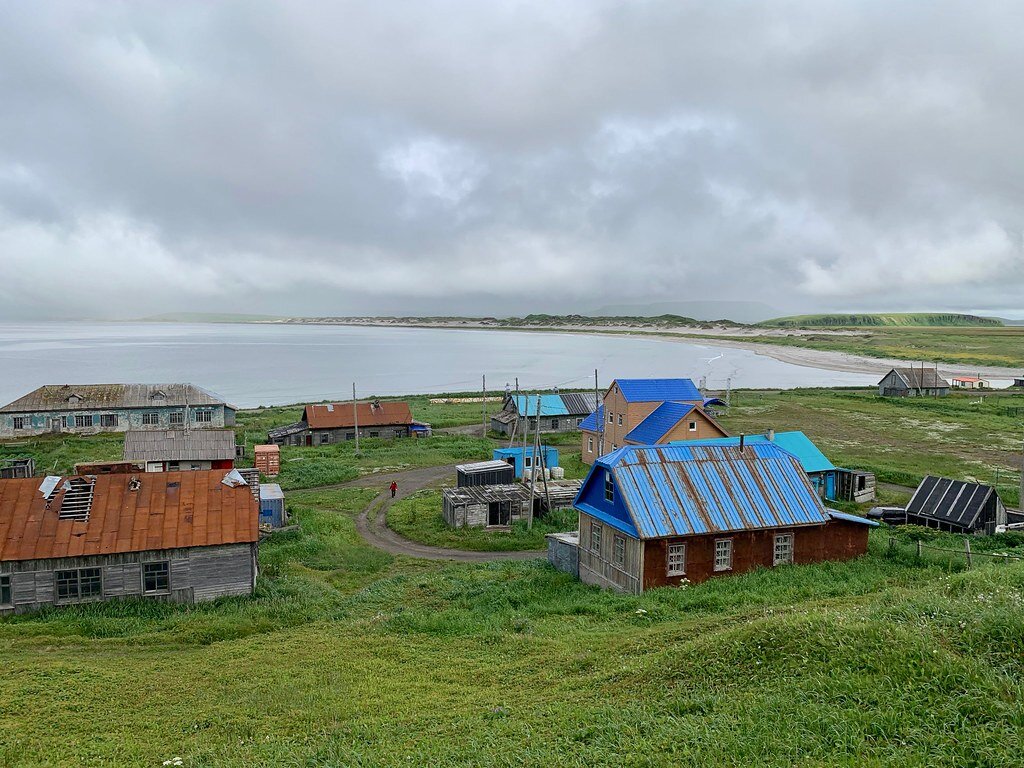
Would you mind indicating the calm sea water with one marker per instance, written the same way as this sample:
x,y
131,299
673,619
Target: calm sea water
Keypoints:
x,y
254,365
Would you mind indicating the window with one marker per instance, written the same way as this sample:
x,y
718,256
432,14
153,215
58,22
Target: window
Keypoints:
x,y
156,577
693,426
554,423
528,461
619,550
590,445
615,447
611,417
83,421
176,418
79,584
19,422
578,422
325,438
595,537
350,435
5,591
676,559
375,434
620,419
64,422
723,554
609,487
204,417
108,419
150,418
174,466
783,549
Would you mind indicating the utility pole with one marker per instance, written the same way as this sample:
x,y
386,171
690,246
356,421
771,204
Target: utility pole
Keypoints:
x,y
728,392
483,405
599,416
515,424
533,467
1020,501
355,416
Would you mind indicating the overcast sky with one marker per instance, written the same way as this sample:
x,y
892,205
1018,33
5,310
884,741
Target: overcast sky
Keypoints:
x,y
489,157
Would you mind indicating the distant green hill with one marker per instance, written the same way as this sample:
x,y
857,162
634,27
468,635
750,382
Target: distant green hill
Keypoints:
x,y
880,320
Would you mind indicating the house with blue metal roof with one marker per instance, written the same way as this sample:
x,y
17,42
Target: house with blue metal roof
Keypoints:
x,y
555,412
653,516
647,412
831,483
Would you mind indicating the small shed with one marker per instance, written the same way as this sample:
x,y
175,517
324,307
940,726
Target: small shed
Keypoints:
x,y
11,469
1018,381
520,457
957,506
970,382
486,506
484,473
564,552
272,512
267,459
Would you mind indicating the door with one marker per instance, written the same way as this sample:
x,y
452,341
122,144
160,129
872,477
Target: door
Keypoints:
x,y
499,513
830,486
309,439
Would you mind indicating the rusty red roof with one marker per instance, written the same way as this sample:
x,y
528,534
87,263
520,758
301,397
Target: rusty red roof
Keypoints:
x,y
168,510
340,416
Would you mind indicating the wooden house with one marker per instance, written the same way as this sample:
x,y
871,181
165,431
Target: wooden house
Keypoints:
x,y
176,450
338,422
970,382
646,412
956,506
91,408
178,536
654,516
486,506
913,382
557,412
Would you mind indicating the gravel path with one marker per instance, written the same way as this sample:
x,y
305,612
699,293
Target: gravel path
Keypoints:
x,y
372,521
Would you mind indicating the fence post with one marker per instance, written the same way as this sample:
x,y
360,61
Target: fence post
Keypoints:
x,y
967,550
919,548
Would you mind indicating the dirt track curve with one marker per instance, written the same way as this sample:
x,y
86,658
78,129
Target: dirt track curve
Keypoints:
x,y
372,521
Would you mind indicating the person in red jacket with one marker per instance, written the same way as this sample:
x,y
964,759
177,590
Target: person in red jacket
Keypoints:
x,y
394,488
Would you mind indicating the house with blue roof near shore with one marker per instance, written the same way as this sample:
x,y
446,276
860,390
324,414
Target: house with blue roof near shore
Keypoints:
x,y
653,516
646,412
554,413
830,482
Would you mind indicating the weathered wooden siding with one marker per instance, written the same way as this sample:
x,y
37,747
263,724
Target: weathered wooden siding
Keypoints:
x,y
474,515
43,422
598,567
328,436
196,574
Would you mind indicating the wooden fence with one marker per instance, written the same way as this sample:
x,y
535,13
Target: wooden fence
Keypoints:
x,y
956,554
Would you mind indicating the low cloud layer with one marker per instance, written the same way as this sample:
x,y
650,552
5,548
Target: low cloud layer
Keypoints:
x,y
458,157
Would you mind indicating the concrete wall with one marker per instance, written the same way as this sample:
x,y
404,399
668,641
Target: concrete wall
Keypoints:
x,y
42,422
196,574
563,552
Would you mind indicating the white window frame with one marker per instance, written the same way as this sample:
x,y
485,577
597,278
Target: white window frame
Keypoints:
x,y
595,537
611,417
108,419
20,422
176,418
619,550
723,555
87,421
788,549
693,426
590,445
527,461
675,560
150,418
620,419
609,487
203,416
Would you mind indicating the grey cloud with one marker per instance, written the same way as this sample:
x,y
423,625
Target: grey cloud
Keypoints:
x,y
508,157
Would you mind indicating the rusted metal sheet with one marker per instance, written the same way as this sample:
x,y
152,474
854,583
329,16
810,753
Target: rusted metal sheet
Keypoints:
x,y
340,416
682,490
128,513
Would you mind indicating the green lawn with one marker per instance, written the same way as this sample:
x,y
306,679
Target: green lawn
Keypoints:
x,y
347,656
899,439
418,517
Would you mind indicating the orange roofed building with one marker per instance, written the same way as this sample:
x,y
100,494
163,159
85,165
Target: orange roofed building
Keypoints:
x,y
179,536
337,422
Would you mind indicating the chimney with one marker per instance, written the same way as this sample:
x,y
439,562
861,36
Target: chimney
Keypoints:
x,y
742,441
770,435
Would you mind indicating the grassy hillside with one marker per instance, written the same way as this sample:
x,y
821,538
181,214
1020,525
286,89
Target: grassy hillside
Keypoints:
x,y
946,319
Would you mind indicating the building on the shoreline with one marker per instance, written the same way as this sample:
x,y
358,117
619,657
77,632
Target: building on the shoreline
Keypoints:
x,y
176,450
337,422
830,482
177,536
646,412
557,413
956,506
1018,381
654,516
913,382
970,382
91,408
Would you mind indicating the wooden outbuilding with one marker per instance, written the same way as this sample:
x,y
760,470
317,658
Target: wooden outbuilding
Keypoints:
x,y
913,382
175,450
957,506
178,536
267,459
655,516
557,413
486,506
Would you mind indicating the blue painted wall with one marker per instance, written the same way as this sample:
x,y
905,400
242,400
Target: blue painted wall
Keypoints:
x,y
515,456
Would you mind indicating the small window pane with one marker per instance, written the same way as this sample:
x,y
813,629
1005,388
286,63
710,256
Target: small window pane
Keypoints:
x,y
783,549
609,487
595,537
90,583
204,417
723,554
676,559
83,421
156,577
620,550
67,585
5,590
19,422
176,418
151,419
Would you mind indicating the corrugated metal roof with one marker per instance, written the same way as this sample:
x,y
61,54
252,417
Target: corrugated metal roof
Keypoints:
x,y
271,491
684,490
593,422
951,501
550,405
179,445
579,403
654,390
77,397
482,466
800,445
339,415
916,378
837,515
658,423
167,511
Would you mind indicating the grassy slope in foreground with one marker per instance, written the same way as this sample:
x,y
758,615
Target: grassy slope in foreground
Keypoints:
x,y
347,656
944,319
